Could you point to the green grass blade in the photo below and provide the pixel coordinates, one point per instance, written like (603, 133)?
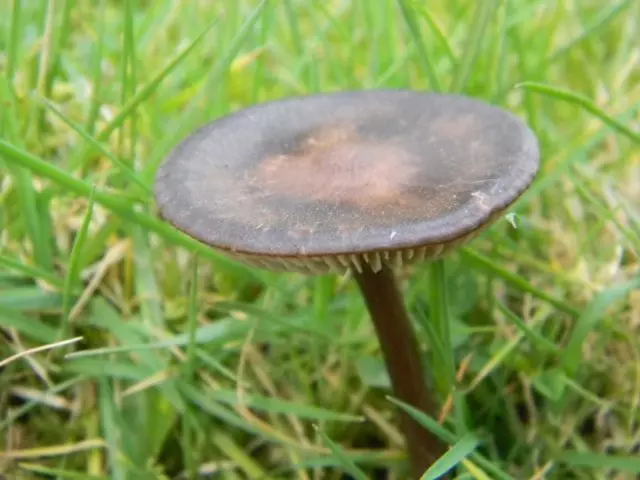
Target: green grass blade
(434, 427)
(530, 333)
(220, 332)
(347, 464)
(372, 458)
(585, 188)
(601, 461)
(297, 40)
(192, 323)
(582, 102)
(96, 71)
(425, 420)
(322, 294)
(145, 282)
(147, 89)
(31, 271)
(208, 361)
(444, 367)
(110, 425)
(235, 44)
(491, 266)
(30, 299)
(129, 75)
(189, 119)
(576, 151)
(606, 16)
(458, 452)
(73, 270)
(111, 370)
(23, 410)
(14, 40)
(499, 55)
(118, 205)
(280, 406)
(122, 166)
(189, 422)
(42, 168)
(59, 473)
(435, 28)
(31, 327)
(423, 54)
(259, 73)
(129, 59)
(28, 198)
(571, 357)
(57, 49)
(239, 456)
(525, 57)
(105, 317)
(485, 10)
(222, 413)
(9, 114)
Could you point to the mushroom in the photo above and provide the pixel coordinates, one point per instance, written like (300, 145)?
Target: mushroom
(361, 182)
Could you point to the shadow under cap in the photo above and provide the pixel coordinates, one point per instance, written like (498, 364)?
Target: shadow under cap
(324, 182)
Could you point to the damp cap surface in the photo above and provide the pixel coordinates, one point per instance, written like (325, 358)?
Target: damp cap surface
(331, 181)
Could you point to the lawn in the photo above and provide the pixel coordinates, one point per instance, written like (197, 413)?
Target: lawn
(130, 351)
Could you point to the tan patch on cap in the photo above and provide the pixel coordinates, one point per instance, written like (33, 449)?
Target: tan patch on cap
(337, 166)
(454, 127)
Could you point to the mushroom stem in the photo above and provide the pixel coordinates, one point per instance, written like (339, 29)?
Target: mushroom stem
(401, 354)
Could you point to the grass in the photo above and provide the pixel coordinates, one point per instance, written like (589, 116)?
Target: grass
(193, 365)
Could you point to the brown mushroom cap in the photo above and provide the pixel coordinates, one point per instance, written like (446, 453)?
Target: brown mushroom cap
(325, 182)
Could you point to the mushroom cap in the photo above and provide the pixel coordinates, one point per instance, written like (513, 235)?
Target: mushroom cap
(328, 181)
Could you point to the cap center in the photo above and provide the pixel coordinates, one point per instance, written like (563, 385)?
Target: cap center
(337, 166)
